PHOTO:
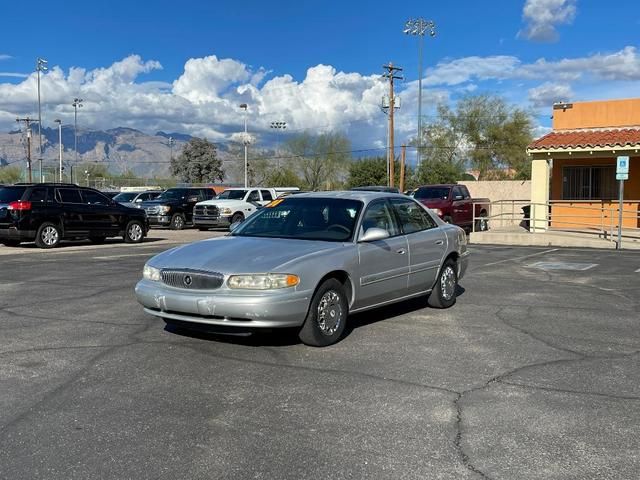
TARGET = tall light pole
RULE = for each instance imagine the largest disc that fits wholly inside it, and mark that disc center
(41, 66)
(59, 122)
(77, 103)
(246, 144)
(419, 26)
(172, 142)
(278, 126)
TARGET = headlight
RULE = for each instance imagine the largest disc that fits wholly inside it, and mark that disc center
(165, 208)
(437, 211)
(263, 282)
(151, 273)
(226, 211)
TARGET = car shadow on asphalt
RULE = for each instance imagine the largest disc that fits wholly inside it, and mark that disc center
(78, 243)
(286, 337)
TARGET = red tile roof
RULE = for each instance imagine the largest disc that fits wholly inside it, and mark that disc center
(588, 139)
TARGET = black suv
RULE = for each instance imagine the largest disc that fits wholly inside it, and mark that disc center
(50, 212)
(174, 207)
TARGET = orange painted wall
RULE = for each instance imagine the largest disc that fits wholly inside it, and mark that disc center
(602, 114)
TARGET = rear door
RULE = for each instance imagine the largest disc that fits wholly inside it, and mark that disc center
(427, 243)
(383, 264)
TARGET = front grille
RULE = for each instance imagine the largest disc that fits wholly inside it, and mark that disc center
(206, 210)
(152, 210)
(192, 279)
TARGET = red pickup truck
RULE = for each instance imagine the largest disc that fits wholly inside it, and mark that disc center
(454, 205)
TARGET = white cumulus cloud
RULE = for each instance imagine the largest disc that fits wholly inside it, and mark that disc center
(549, 93)
(543, 16)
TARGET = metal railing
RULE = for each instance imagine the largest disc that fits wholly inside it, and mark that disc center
(564, 216)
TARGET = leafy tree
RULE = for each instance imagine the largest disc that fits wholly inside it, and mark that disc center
(483, 133)
(320, 159)
(373, 171)
(438, 171)
(11, 174)
(198, 163)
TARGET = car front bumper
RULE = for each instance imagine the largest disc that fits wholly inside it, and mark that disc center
(463, 264)
(224, 309)
(159, 219)
(209, 221)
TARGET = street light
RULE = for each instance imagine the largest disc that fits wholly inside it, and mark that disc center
(278, 126)
(419, 26)
(77, 103)
(41, 66)
(59, 122)
(246, 144)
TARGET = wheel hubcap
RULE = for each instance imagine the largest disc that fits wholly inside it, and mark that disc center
(329, 313)
(135, 232)
(50, 236)
(448, 282)
(179, 222)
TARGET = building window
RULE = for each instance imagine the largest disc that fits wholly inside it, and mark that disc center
(589, 183)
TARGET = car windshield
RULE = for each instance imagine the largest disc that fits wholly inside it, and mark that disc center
(172, 193)
(232, 195)
(432, 193)
(328, 219)
(125, 197)
(11, 194)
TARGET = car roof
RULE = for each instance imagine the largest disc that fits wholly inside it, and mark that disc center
(365, 196)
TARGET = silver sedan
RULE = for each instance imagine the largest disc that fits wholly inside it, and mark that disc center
(308, 261)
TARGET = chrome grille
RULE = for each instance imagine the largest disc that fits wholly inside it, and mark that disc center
(206, 210)
(192, 279)
(152, 210)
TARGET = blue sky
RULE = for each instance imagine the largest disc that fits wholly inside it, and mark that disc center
(129, 60)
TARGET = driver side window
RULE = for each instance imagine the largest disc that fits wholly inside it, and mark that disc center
(254, 196)
(378, 215)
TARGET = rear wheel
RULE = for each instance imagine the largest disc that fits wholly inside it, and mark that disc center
(48, 235)
(134, 233)
(327, 315)
(177, 222)
(444, 292)
(481, 223)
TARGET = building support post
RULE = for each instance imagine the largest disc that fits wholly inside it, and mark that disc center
(539, 195)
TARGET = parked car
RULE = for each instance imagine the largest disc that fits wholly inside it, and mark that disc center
(173, 208)
(49, 212)
(231, 206)
(453, 204)
(129, 199)
(374, 188)
(308, 261)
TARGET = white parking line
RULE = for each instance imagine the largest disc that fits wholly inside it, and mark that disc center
(516, 259)
(638, 271)
(115, 257)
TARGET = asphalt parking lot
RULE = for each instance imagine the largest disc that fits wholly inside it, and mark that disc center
(533, 374)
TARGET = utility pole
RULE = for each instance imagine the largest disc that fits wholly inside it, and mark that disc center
(390, 74)
(403, 156)
(28, 121)
(244, 106)
(41, 66)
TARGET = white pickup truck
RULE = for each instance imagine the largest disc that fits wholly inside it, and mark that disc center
(232, 205)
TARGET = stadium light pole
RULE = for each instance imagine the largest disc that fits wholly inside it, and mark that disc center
(77, 103)
(59, 122)
(41, 66)
(278, 126)
(244, 106)
(418, 27)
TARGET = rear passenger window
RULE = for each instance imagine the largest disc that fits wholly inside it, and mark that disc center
(266, 195)
(253, 196)
(38, 195)
(68, 195)
(412, 216)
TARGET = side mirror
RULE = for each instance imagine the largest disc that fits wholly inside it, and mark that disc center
(374, 234)
(193, 198)
(138, 200)
(234, 225)
(458, 197)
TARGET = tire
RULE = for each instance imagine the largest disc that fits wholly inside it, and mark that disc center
(10, 243)
(328, 303)
(48, 235)
(134, 232)
(237, 217)
(444, 291)
(178, 222)
(98, 240)
(481, 223)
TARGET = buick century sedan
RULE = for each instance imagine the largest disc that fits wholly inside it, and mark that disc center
(308, 261)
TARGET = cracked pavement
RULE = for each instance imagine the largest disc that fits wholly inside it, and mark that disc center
(532, 374)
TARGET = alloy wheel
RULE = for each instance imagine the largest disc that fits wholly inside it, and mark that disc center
(448, 282)
(50, 236)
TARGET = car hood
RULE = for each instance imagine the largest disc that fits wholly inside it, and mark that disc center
(242, 254)
(153, 203)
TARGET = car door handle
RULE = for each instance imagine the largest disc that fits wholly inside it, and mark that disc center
(401, 251)
(439, 242)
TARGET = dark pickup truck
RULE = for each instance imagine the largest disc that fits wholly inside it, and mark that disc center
(454, 204)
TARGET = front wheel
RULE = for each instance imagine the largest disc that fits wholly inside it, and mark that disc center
(177, 222)
(48, 235)
(237, 217)
(481, 223)
(444, 292)
(327, 315)
(134, 233)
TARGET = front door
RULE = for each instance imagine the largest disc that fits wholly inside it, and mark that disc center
(73, 211)
(100, 215)
(383, 264)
